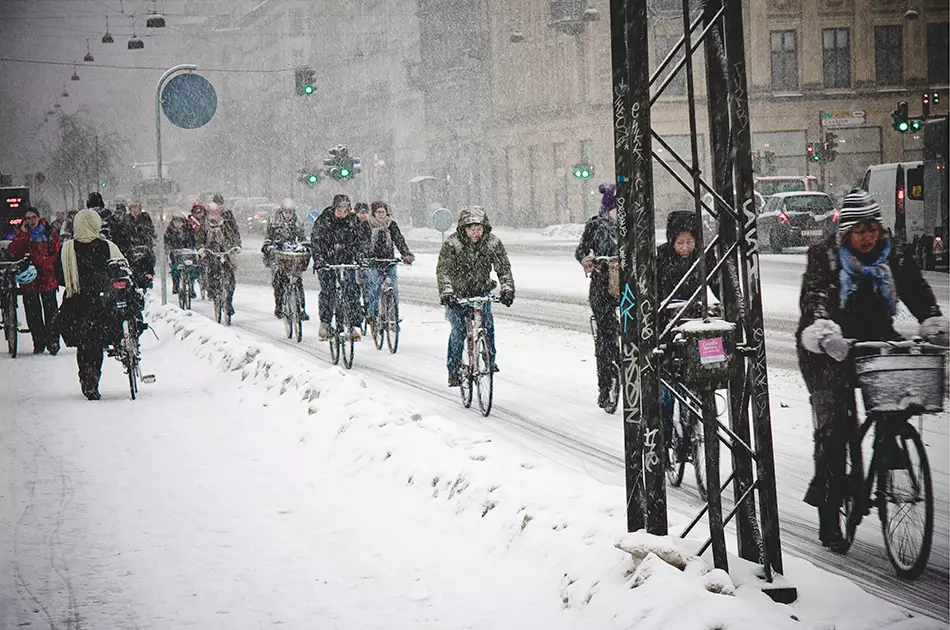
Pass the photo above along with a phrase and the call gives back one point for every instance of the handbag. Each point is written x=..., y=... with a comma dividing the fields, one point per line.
x=68, y=321
x=613, y=278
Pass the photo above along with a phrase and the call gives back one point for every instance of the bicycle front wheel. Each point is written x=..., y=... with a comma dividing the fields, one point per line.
x=675, y=465
x=698, y=446
x=378, y=329
x=484, y=377
x=346, y=348
x=290, y=307
x=10, y=324
x=334, y=340
x=392, y=323
x=906, y=504
x=466, y=371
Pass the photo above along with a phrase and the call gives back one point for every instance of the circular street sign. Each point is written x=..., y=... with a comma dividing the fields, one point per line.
x=189, y=101
x=442, y=220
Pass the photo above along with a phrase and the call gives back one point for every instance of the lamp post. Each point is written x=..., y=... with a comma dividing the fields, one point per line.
x=184, y=67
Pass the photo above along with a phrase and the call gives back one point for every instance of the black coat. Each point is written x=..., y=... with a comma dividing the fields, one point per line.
x=337, y=241
x=179, y=239
x=92, y=315
x=141, y=230
x=865, y=317
x=599, y=239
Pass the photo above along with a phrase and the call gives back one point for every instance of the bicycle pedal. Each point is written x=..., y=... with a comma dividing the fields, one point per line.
x=148, y=378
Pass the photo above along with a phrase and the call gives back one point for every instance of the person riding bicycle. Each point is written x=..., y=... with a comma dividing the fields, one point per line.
x=197, y=216
x=217, y=236
x=38, y=239
x=141, y=235
x=464, y=270
x=385, y=238
x=228, y=215
x=850, y=290
x=285, y=231
x=600, y=239
x=337, y=239
x=179, y=235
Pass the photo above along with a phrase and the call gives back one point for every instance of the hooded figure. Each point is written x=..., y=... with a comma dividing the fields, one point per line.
x=600, y=239
x=852, y=282
x=88, y=320
x=464, y=270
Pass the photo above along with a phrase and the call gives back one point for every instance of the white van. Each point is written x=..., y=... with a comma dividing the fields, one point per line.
x=899, y=188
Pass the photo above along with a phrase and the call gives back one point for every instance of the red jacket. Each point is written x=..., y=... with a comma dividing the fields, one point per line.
x=42, y=255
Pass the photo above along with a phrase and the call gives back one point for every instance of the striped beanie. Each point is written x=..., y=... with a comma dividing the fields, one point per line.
x=858, y=206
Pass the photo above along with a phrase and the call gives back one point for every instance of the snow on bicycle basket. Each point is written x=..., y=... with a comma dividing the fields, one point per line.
x=702, y=351
x=901, y=376
x=292, y=262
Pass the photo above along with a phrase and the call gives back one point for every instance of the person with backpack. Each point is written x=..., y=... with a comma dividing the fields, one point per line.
x=37, y=238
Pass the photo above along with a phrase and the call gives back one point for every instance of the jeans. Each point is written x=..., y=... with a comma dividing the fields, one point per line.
x=328, y=296
x=456, y=317
x=41, y=310
x=373, y=282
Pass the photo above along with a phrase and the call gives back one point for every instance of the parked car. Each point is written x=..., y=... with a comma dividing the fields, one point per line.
x=796, y=219
x=768, y=185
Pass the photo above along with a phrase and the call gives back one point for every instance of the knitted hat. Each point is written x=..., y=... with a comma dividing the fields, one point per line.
x=340, y=200
x=858, y=206
x=608, y=199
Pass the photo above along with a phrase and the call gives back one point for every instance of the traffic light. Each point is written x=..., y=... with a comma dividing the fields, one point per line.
x=811, y=149
x=303, y=81
x=829, y=150
x=341, y=165
x=102, y=184
x=583, y=170
x=899, y=118
x=916, y=124
x=308, y=176
x=935, y=98
x=925, y=104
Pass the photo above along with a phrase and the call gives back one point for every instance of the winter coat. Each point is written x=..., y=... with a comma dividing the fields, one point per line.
x=464, y=268
x=183, y=238
x=43, y=254
x=219, y=239
x=599, y=239
x=366, y=232
x=337, y=241
x=671, y=267
x=92, y=315
x=231, y=221
x=281, y=233
x=141, y=230
x=58, y=225
x=66, y=232
x=385, y=238
x=866, y=316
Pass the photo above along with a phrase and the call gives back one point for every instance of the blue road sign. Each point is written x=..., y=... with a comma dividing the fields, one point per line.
x=189, y=101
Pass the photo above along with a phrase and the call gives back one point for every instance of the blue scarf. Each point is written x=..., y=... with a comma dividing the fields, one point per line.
x=853, y=272
x=38, y=234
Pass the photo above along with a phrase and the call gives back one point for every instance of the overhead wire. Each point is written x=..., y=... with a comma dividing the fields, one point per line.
x=115, y=67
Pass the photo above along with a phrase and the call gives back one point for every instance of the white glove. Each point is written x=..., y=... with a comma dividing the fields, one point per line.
x=824, y=336
x=936, y=330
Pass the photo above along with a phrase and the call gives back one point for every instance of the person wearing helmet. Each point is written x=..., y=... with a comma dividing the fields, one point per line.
x=218, y=236
x=851, y=288
x=40, y=241
x=464, y=270
x=179, y=235
x=337, y=239
x=284, y=232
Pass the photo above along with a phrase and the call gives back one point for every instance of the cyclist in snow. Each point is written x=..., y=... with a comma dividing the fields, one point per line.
x=217, y=236
x=850, y=289
x=384, y=239
x=179, y=235
x=284, y=231
x=464, y=270
x=38, y=239
x=337, y=239
x=141, y=234
x=600, y=239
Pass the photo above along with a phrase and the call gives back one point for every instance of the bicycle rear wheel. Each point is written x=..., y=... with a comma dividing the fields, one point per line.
x=10, y=324
x=466, y=371
x=334, y=340
x=346, y=347
x=392, y=323
x=128, y=355
x=675, y=465
x=906, y=504
x=484, y=377
x=378, y=329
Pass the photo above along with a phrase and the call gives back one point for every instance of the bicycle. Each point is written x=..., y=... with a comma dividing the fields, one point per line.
x=477, y=360
x=220, y=276
x=140, y=259
x=387, y=318
x=292, y=264
x=341, y=332
x=8, y=302
x=898, y=380
x=184, y=262
x=128, y=304
x=687, y=443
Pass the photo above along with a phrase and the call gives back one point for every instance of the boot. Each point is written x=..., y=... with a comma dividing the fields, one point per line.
x=455, y=379
x=324, y=332
x=829, y=529
x=603, y=399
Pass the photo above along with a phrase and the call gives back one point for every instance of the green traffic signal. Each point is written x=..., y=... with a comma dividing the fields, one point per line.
x=311, y=178
x=916, y=124
x=344, y=173
x=102, y=184
x=308, y=89
x=903, y=126
x=583, y=171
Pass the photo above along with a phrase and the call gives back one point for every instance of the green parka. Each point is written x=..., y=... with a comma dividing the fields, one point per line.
x=464, y=267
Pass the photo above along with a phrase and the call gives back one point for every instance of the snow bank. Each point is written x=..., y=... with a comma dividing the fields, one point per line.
x=567, y=529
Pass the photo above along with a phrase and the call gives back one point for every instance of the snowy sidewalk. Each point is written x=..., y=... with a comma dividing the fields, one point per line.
x=244, y=490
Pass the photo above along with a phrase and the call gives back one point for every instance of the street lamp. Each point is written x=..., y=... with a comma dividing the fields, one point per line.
x=107, y=38
x=75, y=76
x=65, y=94
x=135, y=43
x=156, y=19
x=89, y=56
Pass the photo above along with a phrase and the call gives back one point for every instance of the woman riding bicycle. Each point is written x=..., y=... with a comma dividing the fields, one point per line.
x=284, y=231
x=600, y=239
x=384, y=239
x=850, y=290
x=179, y=235
x=216, y=235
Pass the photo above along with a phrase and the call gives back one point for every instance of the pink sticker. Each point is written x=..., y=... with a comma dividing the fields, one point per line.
x=711, y=350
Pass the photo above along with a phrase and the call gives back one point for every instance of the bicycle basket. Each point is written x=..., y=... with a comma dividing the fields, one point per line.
x=292, y=262
x=902, y=379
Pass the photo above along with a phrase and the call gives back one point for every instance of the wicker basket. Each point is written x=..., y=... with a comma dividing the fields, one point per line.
x=613, y=278
x=292, y=262
x=902, y=381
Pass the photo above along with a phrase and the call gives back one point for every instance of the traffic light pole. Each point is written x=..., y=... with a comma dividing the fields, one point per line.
x=163, y=263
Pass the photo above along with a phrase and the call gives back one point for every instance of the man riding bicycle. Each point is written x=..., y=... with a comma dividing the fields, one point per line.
x=215, y=235
x=600, y=239
x=384, y=239
x=850, y=290
x=463, y=271
x=336, y=239
x=284, y=232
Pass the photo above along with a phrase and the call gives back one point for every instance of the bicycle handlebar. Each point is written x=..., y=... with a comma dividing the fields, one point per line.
x=477, y=300
x=12, y=263
x=233, y=250
x=344, y=266
x=914, y=343
x=605, y=258
x=390, y=261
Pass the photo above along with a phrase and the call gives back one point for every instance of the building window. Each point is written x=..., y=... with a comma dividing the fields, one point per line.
x=837, y=45
x=938, y=40
x=889, y=55
x=784, y=61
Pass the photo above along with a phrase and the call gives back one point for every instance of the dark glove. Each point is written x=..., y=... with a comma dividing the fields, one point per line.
x=507, y=297
x=409, y=259
x=935, y=330
x=448, y=300
x=317, y=263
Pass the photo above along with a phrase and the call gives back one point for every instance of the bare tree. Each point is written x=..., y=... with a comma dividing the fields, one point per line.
x=82, y=158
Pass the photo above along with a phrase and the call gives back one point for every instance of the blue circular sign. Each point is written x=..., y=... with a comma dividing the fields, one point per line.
x=189, y=101
x=442, y=219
